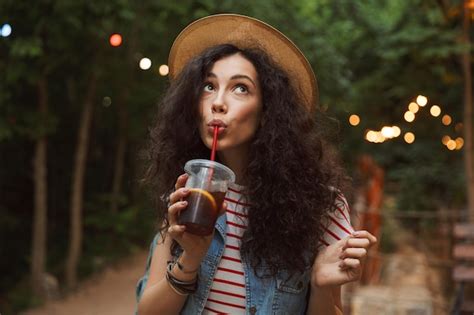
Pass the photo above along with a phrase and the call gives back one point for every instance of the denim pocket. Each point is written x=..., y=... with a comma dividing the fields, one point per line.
x=290, y=293
x=293, y=283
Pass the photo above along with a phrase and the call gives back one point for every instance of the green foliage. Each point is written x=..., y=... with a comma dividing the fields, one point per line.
x=370, y=57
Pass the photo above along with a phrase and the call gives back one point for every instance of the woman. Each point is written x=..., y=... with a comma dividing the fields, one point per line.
x=284, y=244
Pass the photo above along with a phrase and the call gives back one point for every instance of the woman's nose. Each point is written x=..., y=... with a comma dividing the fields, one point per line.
x=218, y=105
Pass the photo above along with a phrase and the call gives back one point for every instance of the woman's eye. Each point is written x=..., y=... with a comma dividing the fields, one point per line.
x=208, y=87
x=241, y=88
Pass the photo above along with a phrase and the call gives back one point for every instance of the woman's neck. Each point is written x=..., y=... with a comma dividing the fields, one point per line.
x=236, y=159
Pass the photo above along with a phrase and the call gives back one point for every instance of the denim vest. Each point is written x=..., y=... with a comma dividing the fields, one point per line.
x=282, y=294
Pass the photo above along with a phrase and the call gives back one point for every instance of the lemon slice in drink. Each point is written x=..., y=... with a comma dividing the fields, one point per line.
x=207, y=195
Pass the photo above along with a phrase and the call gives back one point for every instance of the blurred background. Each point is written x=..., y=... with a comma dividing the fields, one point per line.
x=79, y=87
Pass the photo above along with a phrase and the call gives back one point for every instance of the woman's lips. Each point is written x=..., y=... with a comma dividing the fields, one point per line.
x=216, y=123
x=220, y=130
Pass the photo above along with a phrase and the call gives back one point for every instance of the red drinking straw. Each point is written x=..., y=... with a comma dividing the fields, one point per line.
x=214, y=143
x=213, y=154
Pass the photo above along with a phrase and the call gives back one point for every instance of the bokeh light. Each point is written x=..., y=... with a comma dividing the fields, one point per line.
x=409, y=116
x=371, y=136
x=413, y=107
x=445, y=139
x=396, y=131
x=409, y=137
x=422, y=100
x=354, y=120
x=145, y=63
x=164, y=70
x=380, y=138
x=458, y=127
x=451, y=145
x=6, y=30
x=459, y=143
x=435, y=110
x=115, y=40
x=387, y=132
x=446, y=120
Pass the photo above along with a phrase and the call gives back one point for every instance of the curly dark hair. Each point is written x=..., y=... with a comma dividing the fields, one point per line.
x=291, y=172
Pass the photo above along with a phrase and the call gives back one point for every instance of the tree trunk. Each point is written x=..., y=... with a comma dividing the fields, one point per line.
x=121, y=149
x=122, y=111
x=39, y=236
x=468, y=137
x=75, y=240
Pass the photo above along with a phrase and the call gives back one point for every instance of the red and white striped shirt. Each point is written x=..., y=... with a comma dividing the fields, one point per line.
x=227, y=293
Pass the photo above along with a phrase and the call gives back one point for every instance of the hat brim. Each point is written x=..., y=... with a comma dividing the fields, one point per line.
x=245, y=32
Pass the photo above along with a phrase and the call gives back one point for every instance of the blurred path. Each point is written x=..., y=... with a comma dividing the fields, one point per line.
x=411, y=279
x=111, y=292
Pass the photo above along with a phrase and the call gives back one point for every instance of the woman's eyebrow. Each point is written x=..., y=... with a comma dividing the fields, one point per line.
x=242, y=76
x=234, y=77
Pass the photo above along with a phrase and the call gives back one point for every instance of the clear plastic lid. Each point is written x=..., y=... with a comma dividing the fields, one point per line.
x=200, y=167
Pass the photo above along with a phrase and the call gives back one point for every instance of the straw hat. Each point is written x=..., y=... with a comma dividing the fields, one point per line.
x=245, y=32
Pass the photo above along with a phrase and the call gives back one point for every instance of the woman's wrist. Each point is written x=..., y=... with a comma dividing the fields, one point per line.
x=186, y=266
x=189, y=262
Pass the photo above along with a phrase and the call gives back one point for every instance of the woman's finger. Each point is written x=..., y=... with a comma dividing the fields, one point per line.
x=181, y=181
x=358, y=253
x=350, y=263
x=174, y=210
x=365, y=234
x=357, y=242
x=179, y=194
x=176, y=231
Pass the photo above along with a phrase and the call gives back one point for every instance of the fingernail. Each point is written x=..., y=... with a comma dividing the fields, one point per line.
x=185, y=190
x=184, y=203
x=356, y=233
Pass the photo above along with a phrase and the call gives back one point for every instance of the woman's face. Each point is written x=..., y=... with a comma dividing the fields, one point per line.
x=231, y=100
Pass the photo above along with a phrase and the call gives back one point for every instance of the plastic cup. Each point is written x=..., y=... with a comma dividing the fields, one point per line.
x=208, y=182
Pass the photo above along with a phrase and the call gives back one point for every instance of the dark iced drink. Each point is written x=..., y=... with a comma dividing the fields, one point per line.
x=201, y=213
x=207, y=182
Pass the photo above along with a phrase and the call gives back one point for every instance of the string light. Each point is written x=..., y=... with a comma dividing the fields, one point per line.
x=6, y=30
x=413, y=107
x=396, y=131
x=445, y=139
x=409, y=137
x=354, y=120
x=409, y=116
x=422, y=100
x=374, y=136
x=145, y=63
x=371, y=136
x=451, y=145
x=387, y=132
x=435, y=110
x=163, y=70
x=446, y=120
x=115, y=40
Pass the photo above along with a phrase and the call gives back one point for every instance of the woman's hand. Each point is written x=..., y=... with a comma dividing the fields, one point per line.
x=342, y=261
x=194, y=246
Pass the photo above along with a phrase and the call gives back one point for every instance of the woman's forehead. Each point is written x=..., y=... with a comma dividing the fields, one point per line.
x=233, y=65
